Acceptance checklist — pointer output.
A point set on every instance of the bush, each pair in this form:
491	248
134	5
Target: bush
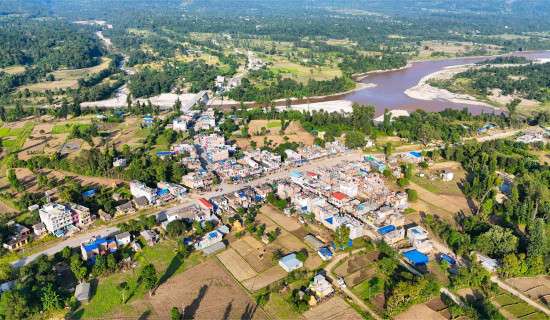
403	182
413	194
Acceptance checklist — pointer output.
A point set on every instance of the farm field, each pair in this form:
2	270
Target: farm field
67	78
537	288
294	131
334	308
514	308
264	279
420	311
240	269
278	308
205	291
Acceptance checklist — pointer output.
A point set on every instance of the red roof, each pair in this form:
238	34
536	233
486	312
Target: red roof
339	196
206	203
311	173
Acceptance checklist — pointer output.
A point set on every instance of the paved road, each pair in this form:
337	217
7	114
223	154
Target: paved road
513	291
356	300
71	242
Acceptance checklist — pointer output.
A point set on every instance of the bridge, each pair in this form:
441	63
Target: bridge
199	97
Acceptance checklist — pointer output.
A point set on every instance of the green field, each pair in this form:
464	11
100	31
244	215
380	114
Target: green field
141	133
7	143
59	129
106	298
7	132
274	124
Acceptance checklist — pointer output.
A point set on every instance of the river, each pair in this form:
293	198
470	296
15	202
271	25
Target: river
389	91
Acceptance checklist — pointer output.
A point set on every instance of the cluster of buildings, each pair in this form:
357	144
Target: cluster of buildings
145	196
532	137
60	218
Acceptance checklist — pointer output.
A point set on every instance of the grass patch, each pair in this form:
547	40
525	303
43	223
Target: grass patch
66	128
7	132
20	140
505	299
141	133
106	298
279	308
520	309
274	124
7	143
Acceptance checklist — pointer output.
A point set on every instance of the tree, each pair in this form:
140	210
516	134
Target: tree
5	271
276	255
388	149
497	242
111	263
175	314
537	243
302	256
403	182
354	140
148	274
412	194
13	305
176	228
66	253
50	299
409	171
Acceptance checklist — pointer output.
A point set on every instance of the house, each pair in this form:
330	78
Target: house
289	262
209	239
117	197
325	254
416	258
15	242
140	189
39	228
80	214
82	292
196	180
490	264
104	216
320	286
123	238
141	202
447	175
531	137
338	199
120	162
206	205
412	157
394	236
150	236
125	208
56	217
91	248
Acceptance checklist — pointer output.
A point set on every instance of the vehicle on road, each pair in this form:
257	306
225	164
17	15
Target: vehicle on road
341	282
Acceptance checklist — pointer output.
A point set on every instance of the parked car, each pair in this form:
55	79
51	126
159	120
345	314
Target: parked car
341	282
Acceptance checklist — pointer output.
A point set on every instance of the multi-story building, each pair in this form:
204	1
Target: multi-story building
179	124
175	189
218	153
183	148
80	214
56	217
210	141
197	180
140	189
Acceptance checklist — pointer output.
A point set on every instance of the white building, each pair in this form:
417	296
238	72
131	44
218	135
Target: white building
55	217
293	155
447	175
140	189
179	124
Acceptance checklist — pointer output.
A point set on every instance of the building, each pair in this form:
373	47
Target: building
375	164
338	199
325	254
150	236
14	242
141	202
120	162
174	189
209	239
39	229
179	124
125	208
80	214
196	180
140	189
82	292
412	157
91	248
320	287
313	242
394	236
123	238
290	263
416	258
447	175
56	217
531	137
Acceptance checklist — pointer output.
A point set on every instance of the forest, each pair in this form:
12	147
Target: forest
529	81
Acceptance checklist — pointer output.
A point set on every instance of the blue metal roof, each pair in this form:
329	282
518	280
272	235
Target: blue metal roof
325	252
163	153
415	154
90	247
416	257
329	220
212	234
88	193
101	241
162	191
296	174
258	198
448	259
386	229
